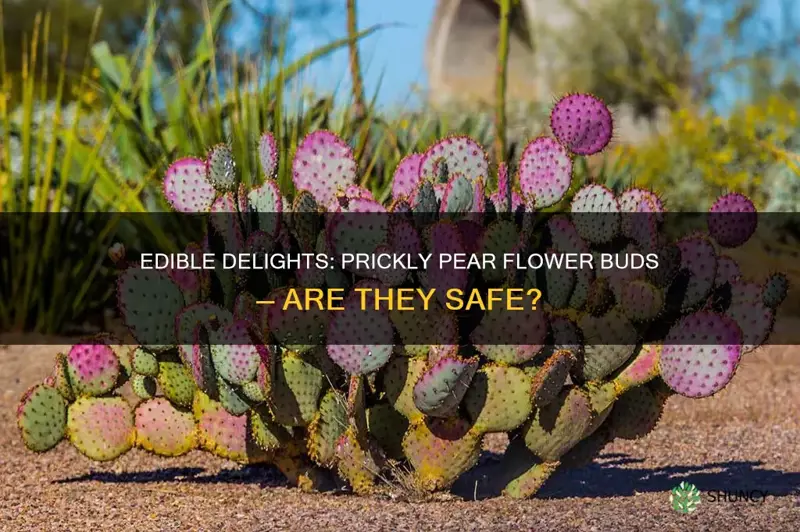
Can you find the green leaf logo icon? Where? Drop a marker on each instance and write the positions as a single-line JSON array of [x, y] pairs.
[[685, 498]]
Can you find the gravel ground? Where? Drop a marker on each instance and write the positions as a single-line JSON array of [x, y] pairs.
[[745, 438]]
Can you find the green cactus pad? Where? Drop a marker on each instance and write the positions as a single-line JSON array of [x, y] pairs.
[[176, 383], [642, 369], [42, 417], [266, 201], [636, 413], [559, 285], [163, 429], [268, 435], [192, 346], [550, 378], [149, 302], [399, 377], [253, 392], [101, 428], [223, 434], [442, 386], [328, 425], [500, 237], [232, 398], [526, 485], [441, 450], [499, 399], [438, 323], [145, 363], [93, 369], [295, 329], [144, 386], [610, 341], [388, 427], [589, 448], [458, 195], [557, 427], [296, 389], [221, 168]]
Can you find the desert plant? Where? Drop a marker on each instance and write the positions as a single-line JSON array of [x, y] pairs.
[[357, 392]]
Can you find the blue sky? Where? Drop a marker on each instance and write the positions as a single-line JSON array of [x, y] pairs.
[[396, 53]]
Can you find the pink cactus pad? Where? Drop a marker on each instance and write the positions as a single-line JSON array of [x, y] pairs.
[[323, 165], [462, 155], [545, 172], [164, 430], [101, 428], [406, 176], [187, 188], [582, 123], [93, 369], [224, 434], [701, 353], [236, 352], [732, 220], [268, 155]]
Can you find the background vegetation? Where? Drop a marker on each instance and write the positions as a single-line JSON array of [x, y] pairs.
[[95, 104]]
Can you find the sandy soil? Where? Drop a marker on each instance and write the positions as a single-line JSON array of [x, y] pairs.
[[745, 438]]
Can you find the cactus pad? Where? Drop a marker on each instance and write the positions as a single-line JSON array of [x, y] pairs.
[[296, 389], [440, 450], [701, 353], [164, 430], [268, 155], [406, 176], [93, 369], [224, 434], [149, 302], [327, 427], [776, 288], [499, 399], [461, 155], [545, 172], [441, 388], [101, 428], [558, 426], [550, 378], [596, 213], [323, 165], [732, 220], [236, 352], [145, 363], [582, 123], [187, 188], [42, 417], [176, 382]]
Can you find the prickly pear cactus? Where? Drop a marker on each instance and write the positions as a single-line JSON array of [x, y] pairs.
[[217, 371]]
